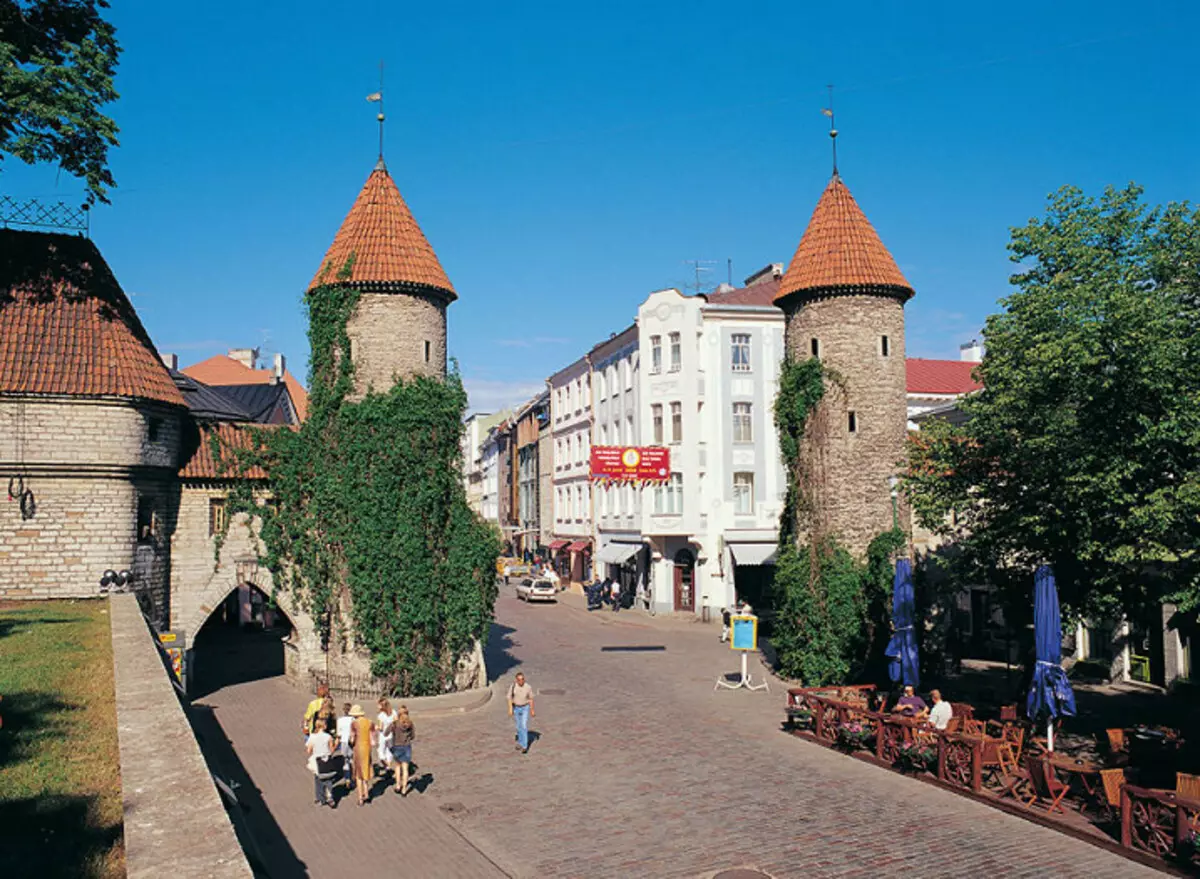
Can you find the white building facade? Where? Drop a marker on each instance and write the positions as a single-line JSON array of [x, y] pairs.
[[621, 553], [710, 369], [571, 428]]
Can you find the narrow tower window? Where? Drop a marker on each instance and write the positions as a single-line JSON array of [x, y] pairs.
[[883, 345], [816, 348], [851, 422], [429, 350]]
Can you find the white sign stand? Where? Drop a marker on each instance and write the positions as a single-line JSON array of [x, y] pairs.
[[744, 682]]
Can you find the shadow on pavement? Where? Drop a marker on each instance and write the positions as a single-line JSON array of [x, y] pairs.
[[267, 849], [498, 652]]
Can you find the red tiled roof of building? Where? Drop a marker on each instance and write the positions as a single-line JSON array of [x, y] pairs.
[[940, 376], [761, 293], [382, 243], [66, 327], [224, 370], [841, 248], [204, 465]]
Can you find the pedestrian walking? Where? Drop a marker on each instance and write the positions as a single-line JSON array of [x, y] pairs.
[[313, 709], [383, 734], [343, 744], [320, 749], [616, 595], [520, 709], [403, 735], [725, 615], [360, 743]]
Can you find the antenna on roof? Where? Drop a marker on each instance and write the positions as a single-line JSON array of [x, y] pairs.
[[700, 265], [377, 98], [833, 132], [729, 271]]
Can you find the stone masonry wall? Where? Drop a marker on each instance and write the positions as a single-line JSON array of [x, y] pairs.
[[87, 463], [850, 470], [388, 332]]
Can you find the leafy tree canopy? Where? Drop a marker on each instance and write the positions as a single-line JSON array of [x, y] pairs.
[[57, 59], [1083, 448]]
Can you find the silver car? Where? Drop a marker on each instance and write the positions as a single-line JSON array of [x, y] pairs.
[[537, 590]]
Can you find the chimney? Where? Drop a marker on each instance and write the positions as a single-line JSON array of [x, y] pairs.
[[277, 369], [248, 357], [971, 352], [766, 273], [170, 361]]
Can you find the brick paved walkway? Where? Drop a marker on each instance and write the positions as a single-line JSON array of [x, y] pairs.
[[641, 769]]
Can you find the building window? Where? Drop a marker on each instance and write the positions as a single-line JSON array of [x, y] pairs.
[[740, 352], [655, 354], [883, 345], [656, 417], [616, 498], [626, 374], [743, 493], [815, 347], [851, 422], [668, 499], [216, 516], [153, 426], [578, 394], [630, 439], [676, 352], [147, 520], [601, 388], [428, 351], [743, 424], [604, 434], [676, 422], [558, 504]]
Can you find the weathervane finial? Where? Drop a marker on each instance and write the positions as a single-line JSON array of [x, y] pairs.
[[833, 132], [377, 98]]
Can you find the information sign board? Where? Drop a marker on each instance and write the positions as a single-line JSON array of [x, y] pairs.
[[744, 630]]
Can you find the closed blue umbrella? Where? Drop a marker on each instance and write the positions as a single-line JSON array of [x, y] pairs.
[[904, 663], [1050, 692]]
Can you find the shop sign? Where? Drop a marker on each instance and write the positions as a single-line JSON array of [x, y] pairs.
[[641, 464]]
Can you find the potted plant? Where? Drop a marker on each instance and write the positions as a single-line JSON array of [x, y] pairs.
[[915, 757], [800, 716], [855, 734]]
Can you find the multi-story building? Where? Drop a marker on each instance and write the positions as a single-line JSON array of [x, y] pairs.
[[475, 431], [489, 470], [529, 422], [708, 382], [571, 418], [616, 421], [546, 481]]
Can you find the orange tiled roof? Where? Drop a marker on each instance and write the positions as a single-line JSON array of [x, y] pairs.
[[941, 376], [841, 248], [221, 369], [387, 245], [66, 327], [203, 464]]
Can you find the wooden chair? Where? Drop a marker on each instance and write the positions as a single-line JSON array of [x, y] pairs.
[[954, 725], [1116, 741], [963, 710], [1112, 781], [1008, 713], [1187, 785], [1045, 784], [973, 727], [1013, 738]]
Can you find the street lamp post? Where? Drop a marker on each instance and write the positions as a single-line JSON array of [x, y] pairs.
[[893, 486]]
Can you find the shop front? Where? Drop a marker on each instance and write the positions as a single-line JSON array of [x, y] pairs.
[[625, 559]]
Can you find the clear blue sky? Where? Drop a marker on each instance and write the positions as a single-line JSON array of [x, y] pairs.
[[566, 160]]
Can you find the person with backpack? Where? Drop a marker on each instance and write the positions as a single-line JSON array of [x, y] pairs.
[[320, 749], [520, 709]]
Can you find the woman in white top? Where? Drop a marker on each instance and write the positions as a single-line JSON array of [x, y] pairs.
[[319, 746], [383, 723], [343, 742]]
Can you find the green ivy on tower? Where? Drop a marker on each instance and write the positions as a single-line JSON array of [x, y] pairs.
[[368, 514], [831, 611]]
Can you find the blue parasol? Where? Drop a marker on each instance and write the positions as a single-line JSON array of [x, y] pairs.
[[1050, 692], [904, 663]]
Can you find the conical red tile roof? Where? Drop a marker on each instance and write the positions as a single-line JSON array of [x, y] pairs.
[[387, 245], [66, 327], [841, 248]]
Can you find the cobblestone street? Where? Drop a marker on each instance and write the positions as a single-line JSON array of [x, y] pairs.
[[639, 769]]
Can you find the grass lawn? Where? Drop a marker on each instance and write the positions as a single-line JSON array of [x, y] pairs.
[[60, 774]]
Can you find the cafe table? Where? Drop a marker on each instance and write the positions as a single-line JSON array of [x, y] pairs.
[[1083, 775]]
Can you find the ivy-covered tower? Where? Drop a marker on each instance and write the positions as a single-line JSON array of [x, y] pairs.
[[843, 296], [398, 328]]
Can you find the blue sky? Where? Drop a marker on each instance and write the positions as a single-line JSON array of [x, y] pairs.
[[565, 160]]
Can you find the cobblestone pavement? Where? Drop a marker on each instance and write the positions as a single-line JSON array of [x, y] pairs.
[[640, 769]]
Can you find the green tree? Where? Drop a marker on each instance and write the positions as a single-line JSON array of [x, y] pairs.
[[57, 59], [1083, 448]]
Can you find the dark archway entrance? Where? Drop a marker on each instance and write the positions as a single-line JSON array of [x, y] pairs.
[[242, 640], [685, 580]]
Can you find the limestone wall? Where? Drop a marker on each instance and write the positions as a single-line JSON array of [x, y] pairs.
[[388, 334], [851, 468]]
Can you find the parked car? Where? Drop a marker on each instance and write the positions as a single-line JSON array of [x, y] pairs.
[[537, 590]]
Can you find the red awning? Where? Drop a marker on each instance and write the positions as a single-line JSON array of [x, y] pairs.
[[579, 546], [556, 545]]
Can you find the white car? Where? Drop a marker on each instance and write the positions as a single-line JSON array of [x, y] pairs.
[[537, 590]]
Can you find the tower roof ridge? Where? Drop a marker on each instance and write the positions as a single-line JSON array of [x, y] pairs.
[[382, 244], [840, 249]]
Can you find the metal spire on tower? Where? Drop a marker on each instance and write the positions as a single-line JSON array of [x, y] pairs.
[[377, 98], [833, 132]]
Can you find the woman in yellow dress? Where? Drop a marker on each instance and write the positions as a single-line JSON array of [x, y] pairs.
[[360, 743]]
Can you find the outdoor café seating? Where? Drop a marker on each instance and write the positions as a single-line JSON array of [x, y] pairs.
[[1046, 788]]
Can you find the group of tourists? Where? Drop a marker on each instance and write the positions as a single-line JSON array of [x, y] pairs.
[[352, 749]]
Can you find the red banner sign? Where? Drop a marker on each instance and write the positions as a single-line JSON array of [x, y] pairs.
[[631, 463]]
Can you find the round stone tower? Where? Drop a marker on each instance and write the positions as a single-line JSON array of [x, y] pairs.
[[398, 328], [844, 297]]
